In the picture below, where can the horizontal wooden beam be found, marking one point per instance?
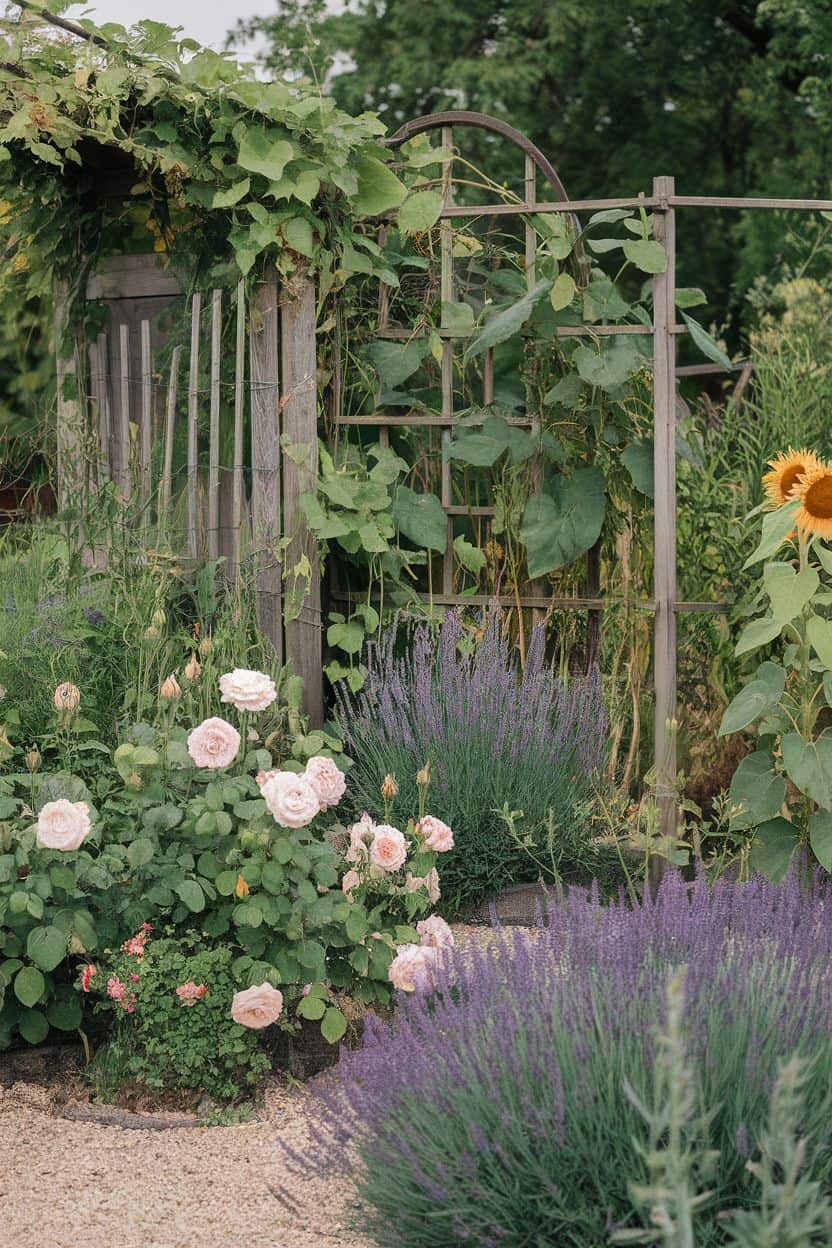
(133, 277)
(544, 603)
(381, 418)
(641, 201)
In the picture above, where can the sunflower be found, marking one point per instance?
(786, 472)
(814, 490)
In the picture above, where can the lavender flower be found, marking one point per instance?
(493, 735)
(495, 1105)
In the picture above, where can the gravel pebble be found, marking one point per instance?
(67, 1184)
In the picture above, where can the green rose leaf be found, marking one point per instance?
(140, 852)
(563, 521)
(29, 985)
(820, 837)
(772, 848)
(333, 1025)
(191, 894)
(46, 947)
(758, 697)
(757, 792)
(421, 518)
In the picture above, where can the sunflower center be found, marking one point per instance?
(790, 477)
(818, 499)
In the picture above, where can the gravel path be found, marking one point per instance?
(70, 1184)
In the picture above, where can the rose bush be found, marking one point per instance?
(196, 830)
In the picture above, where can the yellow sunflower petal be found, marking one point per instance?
(815, 493)
(786, 472)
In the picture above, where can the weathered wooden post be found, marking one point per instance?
(265, 460)
(300, 429)
(664, 481)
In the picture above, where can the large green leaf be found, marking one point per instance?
(379, 189)
(65, 1011)
(33, 1026)
(420, 211)
(505, 324)
(646, 254)
(191, 893)
(705, 342)
(755, 699)
(563, 521)
(46, 947)
(772, 848)
(261, 152)
(758, 633)
(819, 632)
(396, 361)
(777, 525)
(29, 985)
(421, 518)
(820, 837)
(789, 591)
(562, 292)
(809, 765)
(757, 792)
(637, 458)
(610, 364)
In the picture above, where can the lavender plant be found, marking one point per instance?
(500, 1107)
(496, 738)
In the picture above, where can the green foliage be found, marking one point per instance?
(170, 1045)
(788, 702)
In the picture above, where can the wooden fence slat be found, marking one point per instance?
(664, 479)
(239, 417)
(123, 465)
(104, 414)
(265, 460)
(446, 289)
(146, 432)
(165, 483)
(300, 428)
(214, 429)
(193, 429)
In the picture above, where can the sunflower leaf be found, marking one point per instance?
(777, 525)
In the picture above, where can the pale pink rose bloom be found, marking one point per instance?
(350, 881)
(360, 834)
(437, 835)
(388, 850)
(257, 1006)
(63, 824)
(214, 743)
(429, 882)
(291, 800)
(435, 933)
(247, 690)
(262, 776)
(410, 969)
(327, 779)
(190, 993)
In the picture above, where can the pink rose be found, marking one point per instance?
(327, 779)
(63, 825)
(388, 850)
(429, 882)
(360, 834)
(263, 776)
(291, 799)
(247, 690)
(350, 881)
(214, 743)
(435, 933)
(436, 834)
(410, 969)
(257, 1006)
(190, 993)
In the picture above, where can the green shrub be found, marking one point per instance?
(168, 1044)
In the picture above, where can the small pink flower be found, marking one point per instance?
(115, 988)
(435, 933)
(135, 946)
(134, 977)
(327, 779)
(389, 848)
(437, 835)
(410, 969)
(146, 927)
(430, 882)
(214, 743)
(305, 991)
(263, 776)
(190, 992)
(86, 975)
(350, 881)
(360, 834)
